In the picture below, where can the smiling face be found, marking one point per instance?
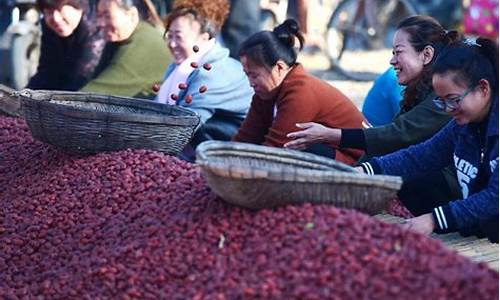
(63, 20)
(407, 62)
(264, 81)
(118, 23)
(182, 35)
(473, 108)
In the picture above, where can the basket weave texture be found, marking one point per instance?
(259, 177)
(91, 123)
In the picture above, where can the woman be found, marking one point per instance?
(285, 94)
(71, 45)
(466, 83)
(135, 56)
(203, 77)
(416, 43)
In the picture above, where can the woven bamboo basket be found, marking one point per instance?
(91, 123)
(258, 177)
(9, 104)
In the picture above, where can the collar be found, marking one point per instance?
(296, 70)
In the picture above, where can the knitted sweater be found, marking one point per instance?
(133, 66)
(300, 98)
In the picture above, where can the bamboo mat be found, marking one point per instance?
(479, 250)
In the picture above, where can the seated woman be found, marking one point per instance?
(135, 56)
(203, 77)
(285, 94)
(466, 83)
(71, 45)
(416, 44)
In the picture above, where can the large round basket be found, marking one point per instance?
(258, 177)
(91, 123)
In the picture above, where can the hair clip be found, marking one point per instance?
(471, 42)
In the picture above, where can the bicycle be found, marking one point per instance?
(369, 25)
(365, 26)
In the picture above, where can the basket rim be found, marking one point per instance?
(298, 175)
(303, 176)
(249, 149)
(45, 100)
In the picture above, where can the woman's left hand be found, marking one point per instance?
(422, 224)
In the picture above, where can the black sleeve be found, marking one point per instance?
(353, 138)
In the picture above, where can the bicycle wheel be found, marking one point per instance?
(359, 37)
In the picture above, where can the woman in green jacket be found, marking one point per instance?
(416, 43)
(136, 56)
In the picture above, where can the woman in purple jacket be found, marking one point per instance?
(465, 79)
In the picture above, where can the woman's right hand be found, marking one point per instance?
(312, 133)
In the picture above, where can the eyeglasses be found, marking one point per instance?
(450, 104)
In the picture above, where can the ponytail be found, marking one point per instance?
(287, 32)
(472, 61)
(489, 49)
(265, 48)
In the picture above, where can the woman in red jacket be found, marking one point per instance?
(285, 94)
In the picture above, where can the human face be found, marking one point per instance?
(183, 34)
(475, 103)
(63, 20)
(407, 62)
(263, 81)
(118, 23)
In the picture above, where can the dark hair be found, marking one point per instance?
(424, 31)
(211, 15)
(471, 62)
(265, 48)
(47, 4)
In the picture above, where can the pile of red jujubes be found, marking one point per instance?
(139, 224)
(397, 208)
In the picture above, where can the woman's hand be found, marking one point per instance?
(313, 133)
(359, 170)
(423, 224)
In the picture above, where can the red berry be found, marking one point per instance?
(207, 66)
(194, 64)
(155, 87)
(188, 99)
(203, 89)
(196, 48)
(182, 86)
(174, 97)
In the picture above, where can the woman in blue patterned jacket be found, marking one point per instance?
(465, 79)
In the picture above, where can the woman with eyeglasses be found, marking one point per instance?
(416, 44)
(465, 79)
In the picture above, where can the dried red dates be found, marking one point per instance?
(139, 224)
